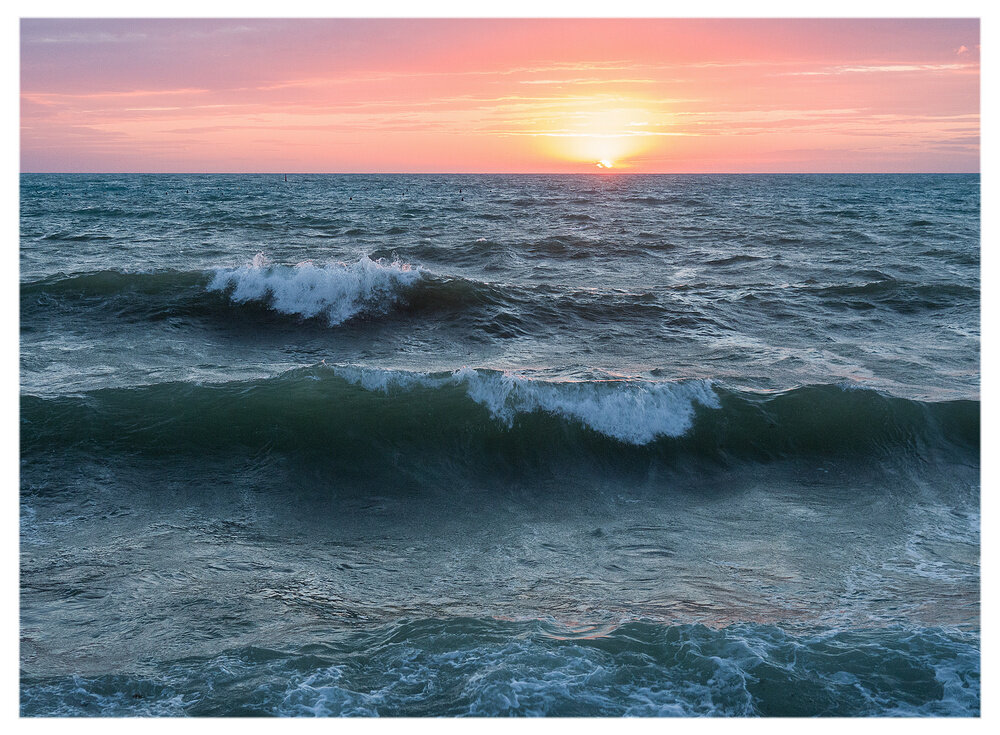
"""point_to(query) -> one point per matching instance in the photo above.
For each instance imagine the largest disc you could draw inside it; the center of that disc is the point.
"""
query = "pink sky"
(499, 95)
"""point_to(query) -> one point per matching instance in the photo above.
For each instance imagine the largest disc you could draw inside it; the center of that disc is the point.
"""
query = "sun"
(599, 132)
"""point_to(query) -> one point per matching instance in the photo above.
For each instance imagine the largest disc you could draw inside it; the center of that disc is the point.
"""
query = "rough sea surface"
(500, 445)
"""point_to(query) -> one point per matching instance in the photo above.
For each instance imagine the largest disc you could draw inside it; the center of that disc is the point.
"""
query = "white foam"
(336, 290)
(382, 380)
(516, 677)
(632, 411)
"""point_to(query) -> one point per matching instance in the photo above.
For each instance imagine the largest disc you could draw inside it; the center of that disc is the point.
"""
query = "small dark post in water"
(286, 178)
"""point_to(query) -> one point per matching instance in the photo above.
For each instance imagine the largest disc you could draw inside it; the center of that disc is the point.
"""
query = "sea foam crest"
(632, 411)
(336, 290)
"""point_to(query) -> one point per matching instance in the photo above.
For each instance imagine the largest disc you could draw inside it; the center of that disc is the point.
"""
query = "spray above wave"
(337, 291)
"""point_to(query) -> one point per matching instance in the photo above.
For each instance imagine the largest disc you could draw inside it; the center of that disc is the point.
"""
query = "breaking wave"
(345, 411)
(336, 291)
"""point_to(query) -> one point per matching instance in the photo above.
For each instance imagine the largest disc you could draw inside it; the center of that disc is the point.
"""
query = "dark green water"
(500, 445)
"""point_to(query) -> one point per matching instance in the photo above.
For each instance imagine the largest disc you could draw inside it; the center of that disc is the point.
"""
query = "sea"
(499, 445)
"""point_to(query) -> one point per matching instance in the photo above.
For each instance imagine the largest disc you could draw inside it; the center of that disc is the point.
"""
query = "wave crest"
(338, 291)
(632, 411)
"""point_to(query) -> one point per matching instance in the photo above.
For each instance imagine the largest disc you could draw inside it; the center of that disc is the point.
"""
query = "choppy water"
(500, 445)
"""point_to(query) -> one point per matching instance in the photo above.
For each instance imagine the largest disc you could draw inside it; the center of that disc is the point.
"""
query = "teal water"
(500, 445)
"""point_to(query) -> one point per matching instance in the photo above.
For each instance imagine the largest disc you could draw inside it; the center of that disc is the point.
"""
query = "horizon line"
(602, 173)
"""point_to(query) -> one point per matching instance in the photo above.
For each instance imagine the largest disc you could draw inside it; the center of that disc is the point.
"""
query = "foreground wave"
(477, 667)
(349, 411)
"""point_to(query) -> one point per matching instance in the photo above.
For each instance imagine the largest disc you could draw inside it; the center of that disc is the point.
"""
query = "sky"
(500, 96)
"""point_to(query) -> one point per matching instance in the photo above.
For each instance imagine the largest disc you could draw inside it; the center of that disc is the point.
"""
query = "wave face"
(485, 668)
(332, 409)
(499, 445)
(634, 412)
(110, 283)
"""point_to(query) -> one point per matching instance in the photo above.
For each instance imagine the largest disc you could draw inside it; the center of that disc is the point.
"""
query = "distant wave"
(334, 294)
(899, 294)
(735, 260)
(77, 236)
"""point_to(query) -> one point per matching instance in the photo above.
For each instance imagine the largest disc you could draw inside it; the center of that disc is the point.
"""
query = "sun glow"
(594, 132)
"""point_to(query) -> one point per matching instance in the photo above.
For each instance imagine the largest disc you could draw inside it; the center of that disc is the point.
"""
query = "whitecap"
(335, 290)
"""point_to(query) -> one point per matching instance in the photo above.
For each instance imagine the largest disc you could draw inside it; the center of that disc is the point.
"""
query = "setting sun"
(604, 129)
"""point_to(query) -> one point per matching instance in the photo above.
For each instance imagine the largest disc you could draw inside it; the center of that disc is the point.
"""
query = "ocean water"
(499, 445)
